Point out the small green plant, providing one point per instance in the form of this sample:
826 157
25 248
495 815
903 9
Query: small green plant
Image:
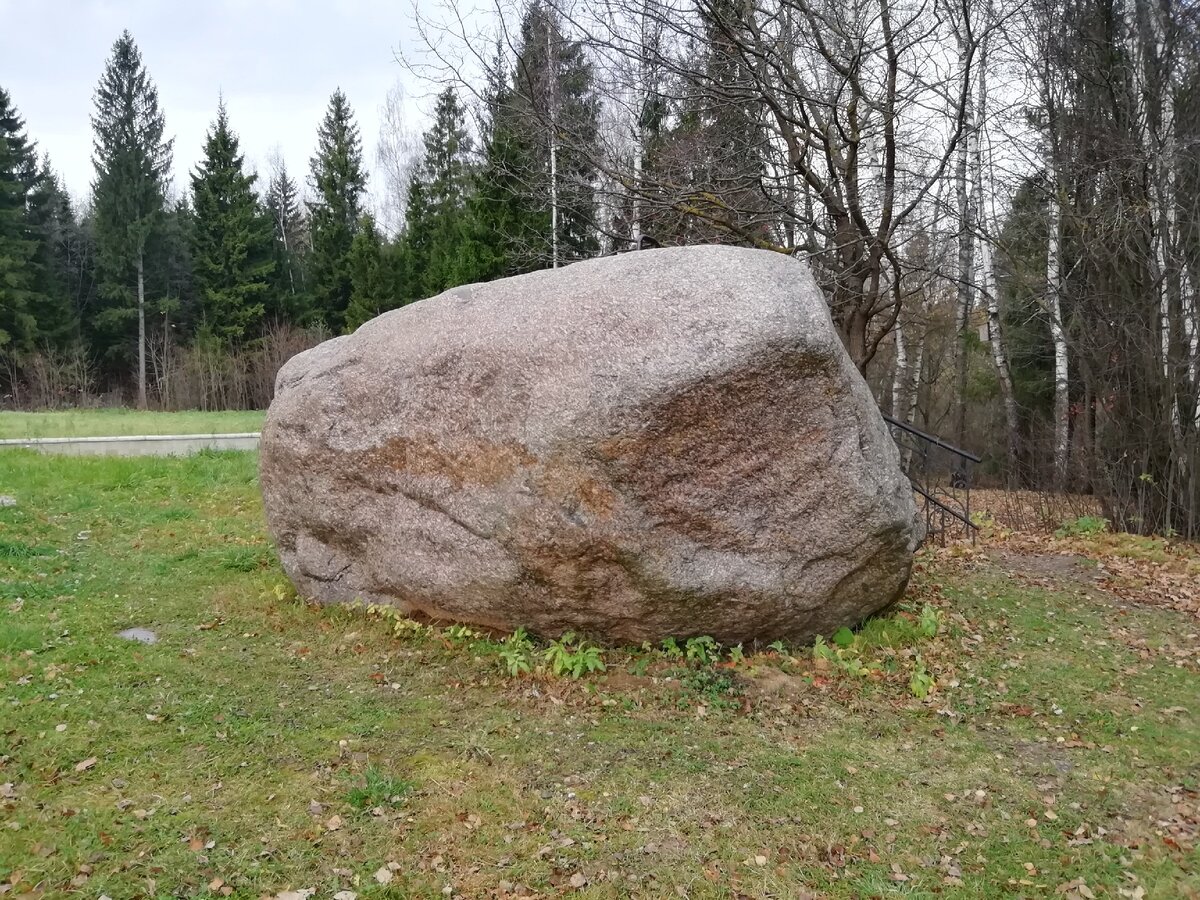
517 653
461 634
401 625
573 657
983 520
921 682
1084 526
640 665
284 592
843 637
847 659
671 648
702 650
736 655
822 650
931 621
377 789
717 688
778 647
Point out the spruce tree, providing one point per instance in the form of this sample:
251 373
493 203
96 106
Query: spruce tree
290 231
555 117
339 180
61 270
18 240
506 215
715 148
132 159
171 273
230 239
435 247
371 276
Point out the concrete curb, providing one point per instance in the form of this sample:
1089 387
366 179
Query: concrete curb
137 445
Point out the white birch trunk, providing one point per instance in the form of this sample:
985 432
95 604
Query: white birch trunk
987 273
966 248
1145 36
900 376
914 390
639 148
550 61
1062 405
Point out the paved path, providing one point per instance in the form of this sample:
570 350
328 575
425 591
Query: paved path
138 444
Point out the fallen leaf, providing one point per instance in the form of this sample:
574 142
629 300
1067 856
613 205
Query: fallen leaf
384 875
334 823
86 764
345 895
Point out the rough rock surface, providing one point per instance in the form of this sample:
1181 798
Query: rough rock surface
668 442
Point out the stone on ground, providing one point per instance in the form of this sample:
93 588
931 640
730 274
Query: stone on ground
668 442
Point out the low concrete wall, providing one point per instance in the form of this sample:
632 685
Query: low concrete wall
138 445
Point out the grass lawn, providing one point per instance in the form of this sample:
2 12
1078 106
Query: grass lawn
105 422
265 746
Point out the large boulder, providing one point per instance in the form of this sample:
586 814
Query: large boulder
668 442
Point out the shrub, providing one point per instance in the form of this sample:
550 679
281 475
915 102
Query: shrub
1084 526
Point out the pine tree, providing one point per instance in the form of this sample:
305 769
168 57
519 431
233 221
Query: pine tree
231 239
374 288
287 297
435 245
132 160
18 241
339 180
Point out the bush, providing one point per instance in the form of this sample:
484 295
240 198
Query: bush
1084 526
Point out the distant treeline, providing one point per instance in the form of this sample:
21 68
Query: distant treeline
1000 199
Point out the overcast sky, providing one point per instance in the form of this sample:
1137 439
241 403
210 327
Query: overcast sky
275 61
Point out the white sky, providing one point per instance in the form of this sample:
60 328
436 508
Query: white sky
275 61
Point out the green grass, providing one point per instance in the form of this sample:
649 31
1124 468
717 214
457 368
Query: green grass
117 421
264 745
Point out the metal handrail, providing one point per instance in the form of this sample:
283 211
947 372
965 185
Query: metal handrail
942 506
933 507
931 438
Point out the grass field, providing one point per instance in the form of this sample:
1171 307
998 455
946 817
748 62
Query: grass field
264 746
106 422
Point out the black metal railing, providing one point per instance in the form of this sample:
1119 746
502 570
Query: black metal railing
940 474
